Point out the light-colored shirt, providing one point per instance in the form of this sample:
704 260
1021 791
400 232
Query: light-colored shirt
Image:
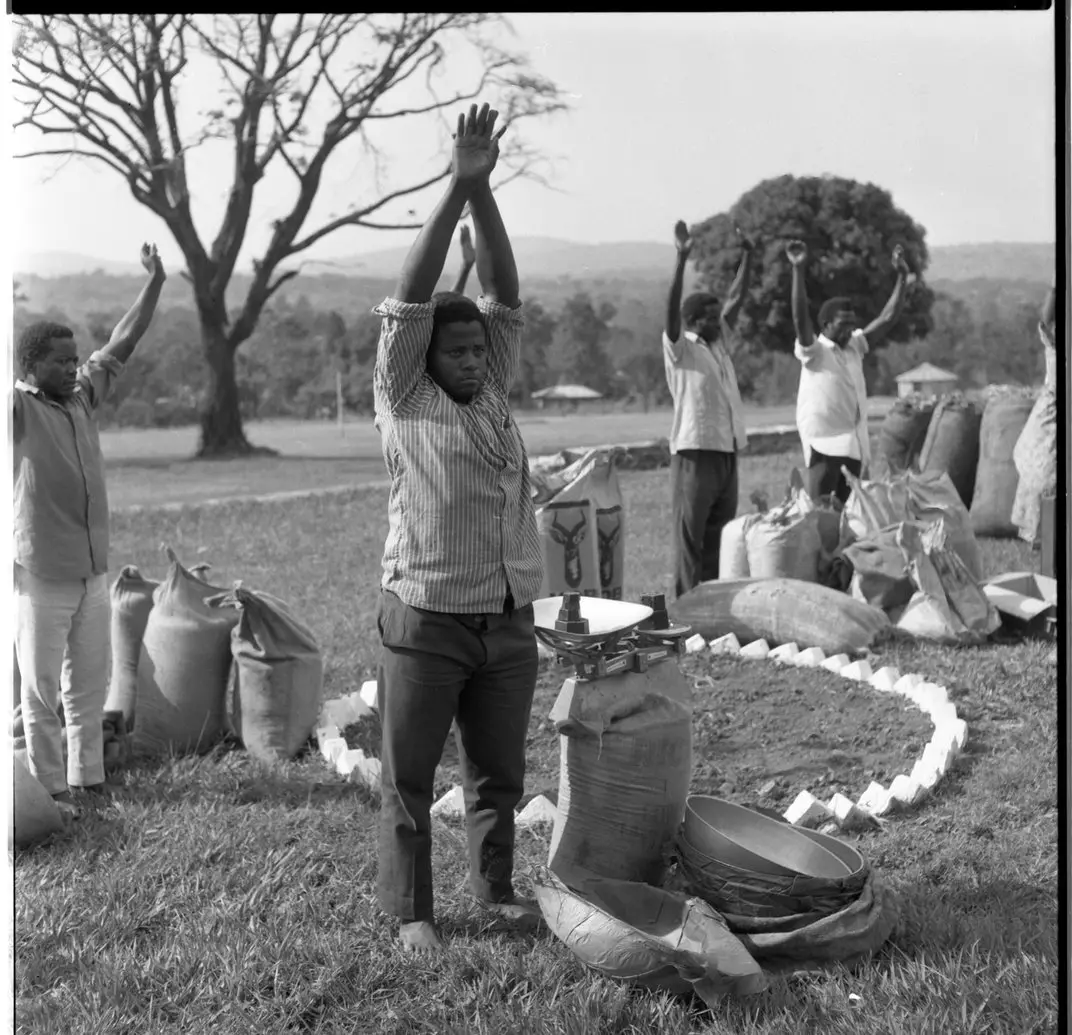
462 526
707 401
60 501
1050 349
832 398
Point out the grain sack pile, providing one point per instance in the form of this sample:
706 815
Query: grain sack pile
195 661
996 480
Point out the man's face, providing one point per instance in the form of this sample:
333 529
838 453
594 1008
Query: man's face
56 374
839 330
458 359
708 325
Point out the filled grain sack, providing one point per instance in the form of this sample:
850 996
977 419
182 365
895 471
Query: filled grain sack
785 542
921 497
582 529
626 764
277 676
132 601
904 431
733 552
184 666
34 815
952 443
1006 412
658 939
781 611
881 573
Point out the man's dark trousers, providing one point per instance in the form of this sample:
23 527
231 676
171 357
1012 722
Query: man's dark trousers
825 475
435 668
703 483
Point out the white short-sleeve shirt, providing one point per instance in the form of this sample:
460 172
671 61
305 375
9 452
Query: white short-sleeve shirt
832 398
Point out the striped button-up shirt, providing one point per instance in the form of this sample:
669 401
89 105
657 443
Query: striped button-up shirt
707 401
462 527
61 506
832 398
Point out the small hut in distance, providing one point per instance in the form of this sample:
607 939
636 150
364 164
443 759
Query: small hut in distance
926 380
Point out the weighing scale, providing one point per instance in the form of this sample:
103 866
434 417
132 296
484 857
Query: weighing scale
603 637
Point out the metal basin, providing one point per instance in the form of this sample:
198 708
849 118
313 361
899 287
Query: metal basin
750 841
853 860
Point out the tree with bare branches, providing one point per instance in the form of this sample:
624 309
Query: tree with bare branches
294 89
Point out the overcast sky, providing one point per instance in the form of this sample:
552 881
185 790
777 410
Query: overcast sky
675 116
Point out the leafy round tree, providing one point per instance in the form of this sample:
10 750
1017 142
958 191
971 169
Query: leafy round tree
850 229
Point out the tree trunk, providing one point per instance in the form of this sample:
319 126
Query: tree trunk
221 419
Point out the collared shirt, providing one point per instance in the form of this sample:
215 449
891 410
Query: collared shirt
832 398
707 401
61 505
462 527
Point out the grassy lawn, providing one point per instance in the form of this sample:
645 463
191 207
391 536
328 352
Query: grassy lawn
154 466
216 894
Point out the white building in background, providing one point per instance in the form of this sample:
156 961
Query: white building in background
926 380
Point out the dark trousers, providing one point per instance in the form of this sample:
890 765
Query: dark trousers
825 475
703 484
479 670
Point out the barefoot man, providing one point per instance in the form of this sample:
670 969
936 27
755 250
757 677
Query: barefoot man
462 560
832 396
61 541
708 425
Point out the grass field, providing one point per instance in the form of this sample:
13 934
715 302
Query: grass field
219 895
154 466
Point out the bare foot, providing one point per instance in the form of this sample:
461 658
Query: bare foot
419 936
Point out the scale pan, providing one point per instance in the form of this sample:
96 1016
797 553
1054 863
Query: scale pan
604 616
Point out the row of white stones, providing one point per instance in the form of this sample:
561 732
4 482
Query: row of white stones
905 790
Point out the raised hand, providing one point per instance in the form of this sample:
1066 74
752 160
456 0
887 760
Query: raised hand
743 239
476 145
900 264
796 252
465 238
151 261
682 238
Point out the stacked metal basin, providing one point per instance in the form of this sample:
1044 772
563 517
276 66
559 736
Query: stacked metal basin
748 864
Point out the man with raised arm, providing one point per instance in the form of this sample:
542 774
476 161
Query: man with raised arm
708 424
61 541
832 396
462 562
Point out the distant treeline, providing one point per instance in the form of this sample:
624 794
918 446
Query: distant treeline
603 333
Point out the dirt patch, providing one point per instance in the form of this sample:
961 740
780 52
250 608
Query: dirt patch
761 733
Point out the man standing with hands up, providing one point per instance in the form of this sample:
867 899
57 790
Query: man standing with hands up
708 424
832 395
462 561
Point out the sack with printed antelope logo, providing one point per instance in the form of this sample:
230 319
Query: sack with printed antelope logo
582 530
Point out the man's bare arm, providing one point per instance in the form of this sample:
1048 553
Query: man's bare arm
132 327
683 242
892 309
495 265
797 253
739 287
468 258
1049 307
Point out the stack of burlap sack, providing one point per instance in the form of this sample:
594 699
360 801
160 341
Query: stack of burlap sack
192 662
903 545
980 443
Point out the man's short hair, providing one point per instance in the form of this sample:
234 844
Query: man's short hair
831 307
35 343
695 304
454 307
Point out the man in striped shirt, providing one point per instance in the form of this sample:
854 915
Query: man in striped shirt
708 426
462 561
